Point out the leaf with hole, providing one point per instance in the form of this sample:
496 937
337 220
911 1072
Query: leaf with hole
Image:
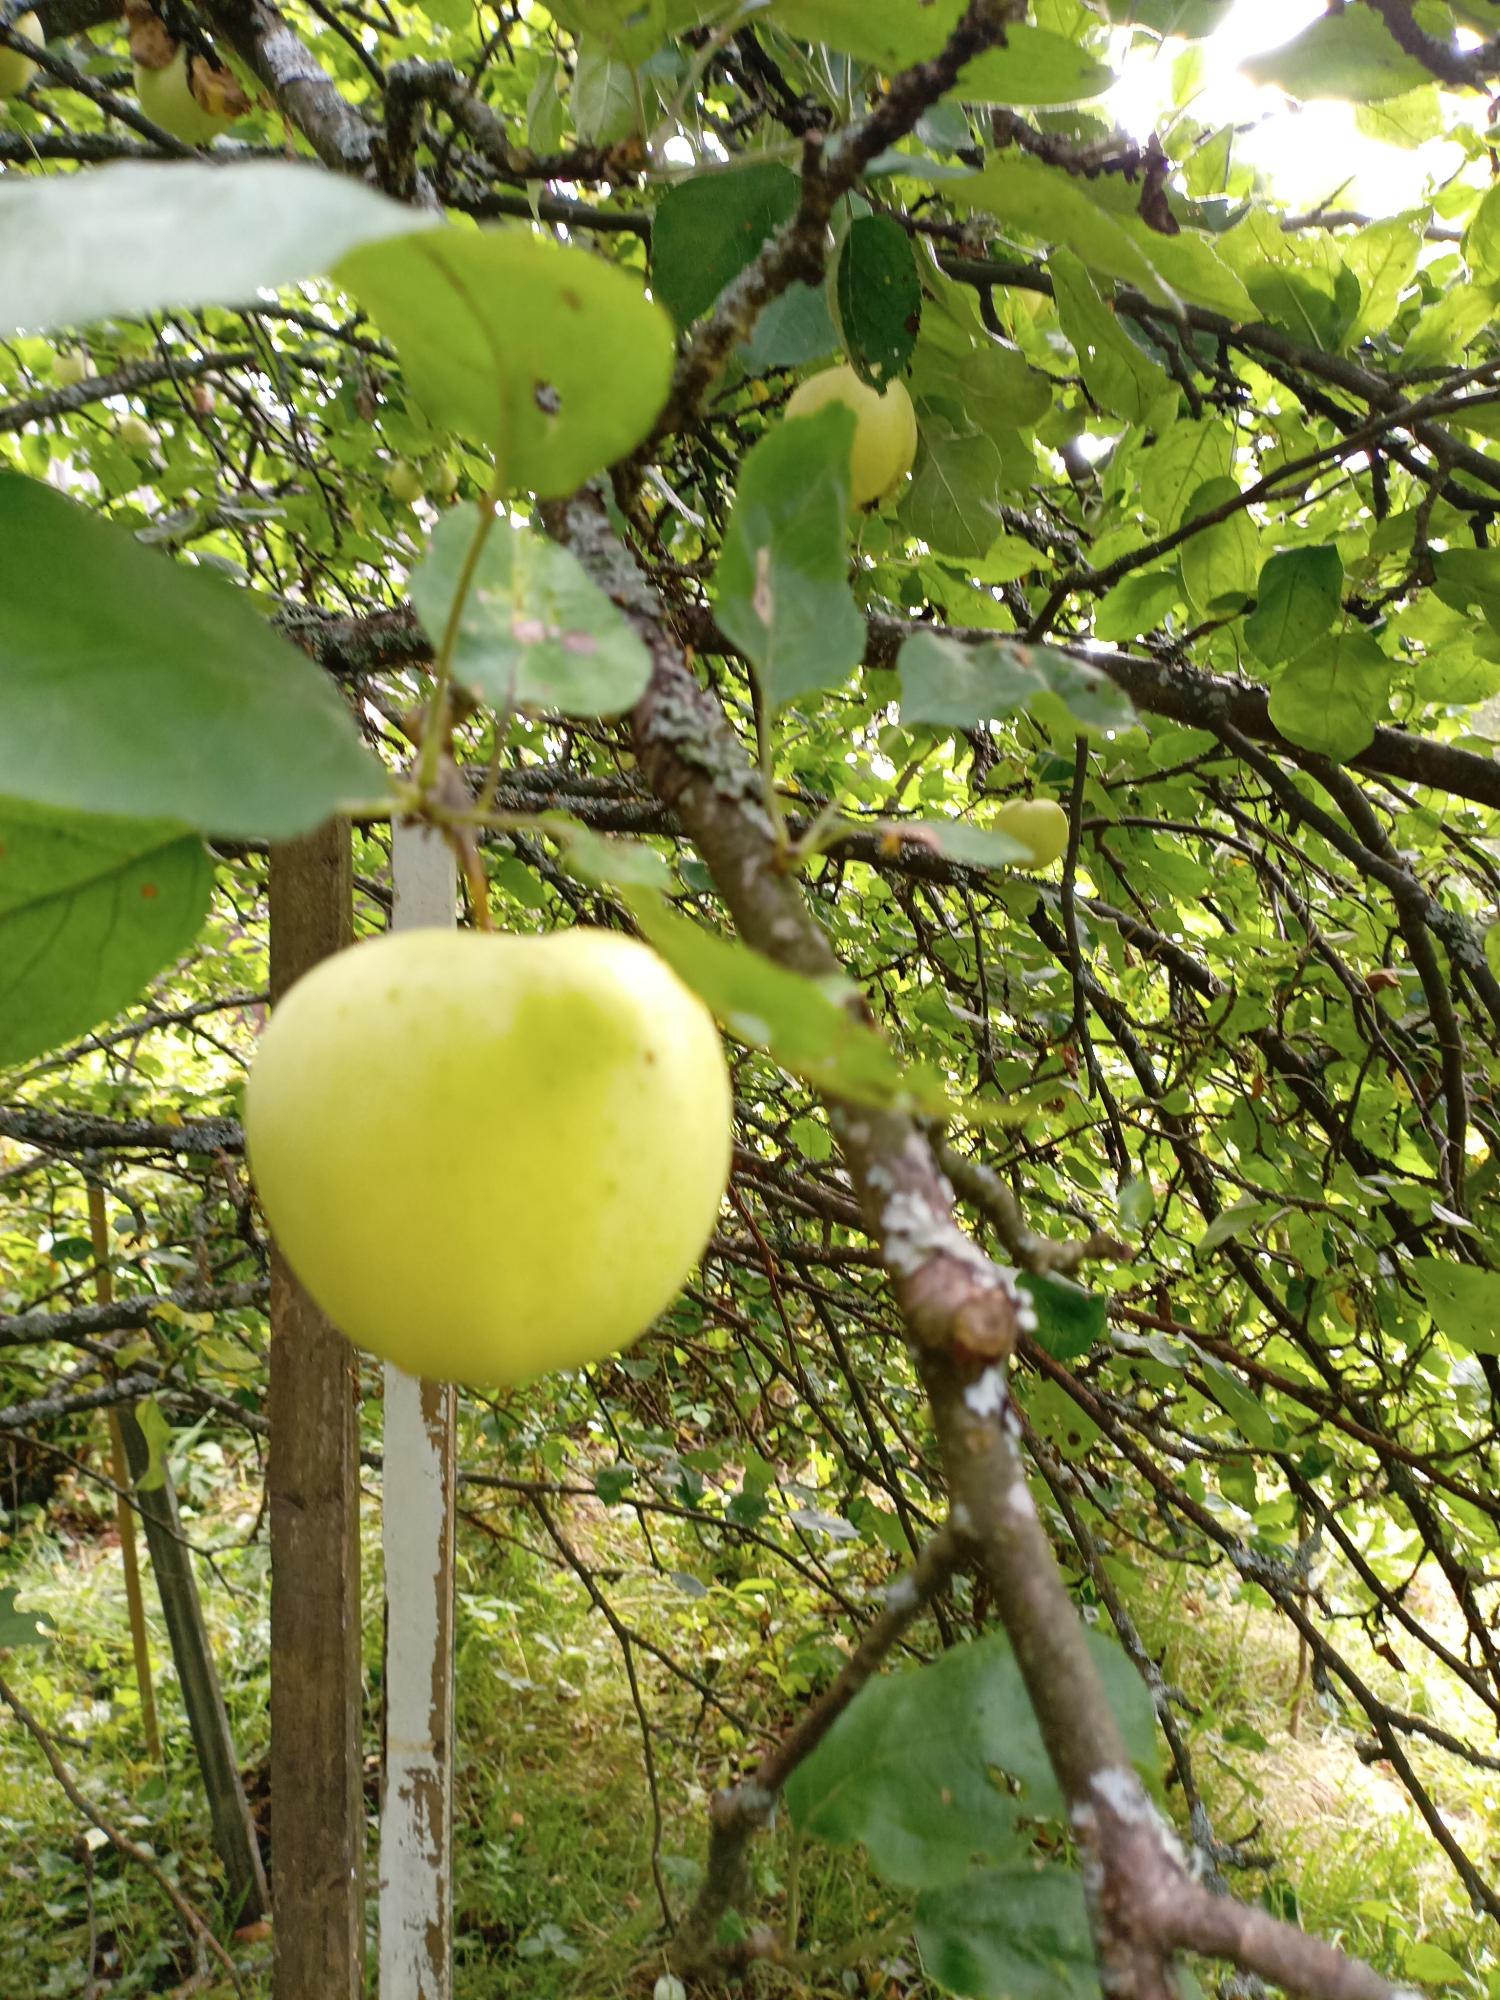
499 337
877 297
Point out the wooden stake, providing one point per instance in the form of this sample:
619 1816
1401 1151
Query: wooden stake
119 1470
416 1818
317 1798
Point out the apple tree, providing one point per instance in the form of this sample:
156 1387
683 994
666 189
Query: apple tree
1002 608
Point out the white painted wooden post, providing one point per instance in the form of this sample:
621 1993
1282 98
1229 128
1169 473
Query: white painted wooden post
416 1819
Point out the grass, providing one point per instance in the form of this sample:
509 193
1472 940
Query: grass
555 1896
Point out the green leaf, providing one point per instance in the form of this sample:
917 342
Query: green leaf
498 334
1298 597
604 99
949 685
1465 577
1035 67
1331 698
807 1025
791 331
134 238
877 297
606 863
706 230
782 587
1230 1223
1219 564
1018 1932
1464 1301
158 1435
18 1627
1137 604
135 685
969 380
90 908
1046 202
953 501
1184 458
536 632
1253 1422
1430 1964
957 840
1069 1320
906 1770
631 29
1349 54
1116 370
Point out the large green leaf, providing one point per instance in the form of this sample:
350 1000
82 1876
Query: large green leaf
1297 600
706 230
877 297
499 337
18 1627
1048 203
134 237
1219 563
1463 1299
135 685
807 1025
90 908
906 1770
1331 698
1116 370
950 685
1019 1932
1183 459
782 588
1345 53
535 631
953 502
1035 67
632 29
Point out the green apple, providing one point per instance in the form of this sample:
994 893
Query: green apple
885 428
488 1156
445 479
71 367
16 71
167 97
1040 825
136 434
404 481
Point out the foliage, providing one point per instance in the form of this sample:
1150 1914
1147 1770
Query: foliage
1196 544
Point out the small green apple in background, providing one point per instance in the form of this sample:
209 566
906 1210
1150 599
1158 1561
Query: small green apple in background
16 71
489 1156
136 434
404 481
70 367
445 479
1040 825
885 428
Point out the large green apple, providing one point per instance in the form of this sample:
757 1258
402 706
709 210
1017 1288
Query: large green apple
489 1156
